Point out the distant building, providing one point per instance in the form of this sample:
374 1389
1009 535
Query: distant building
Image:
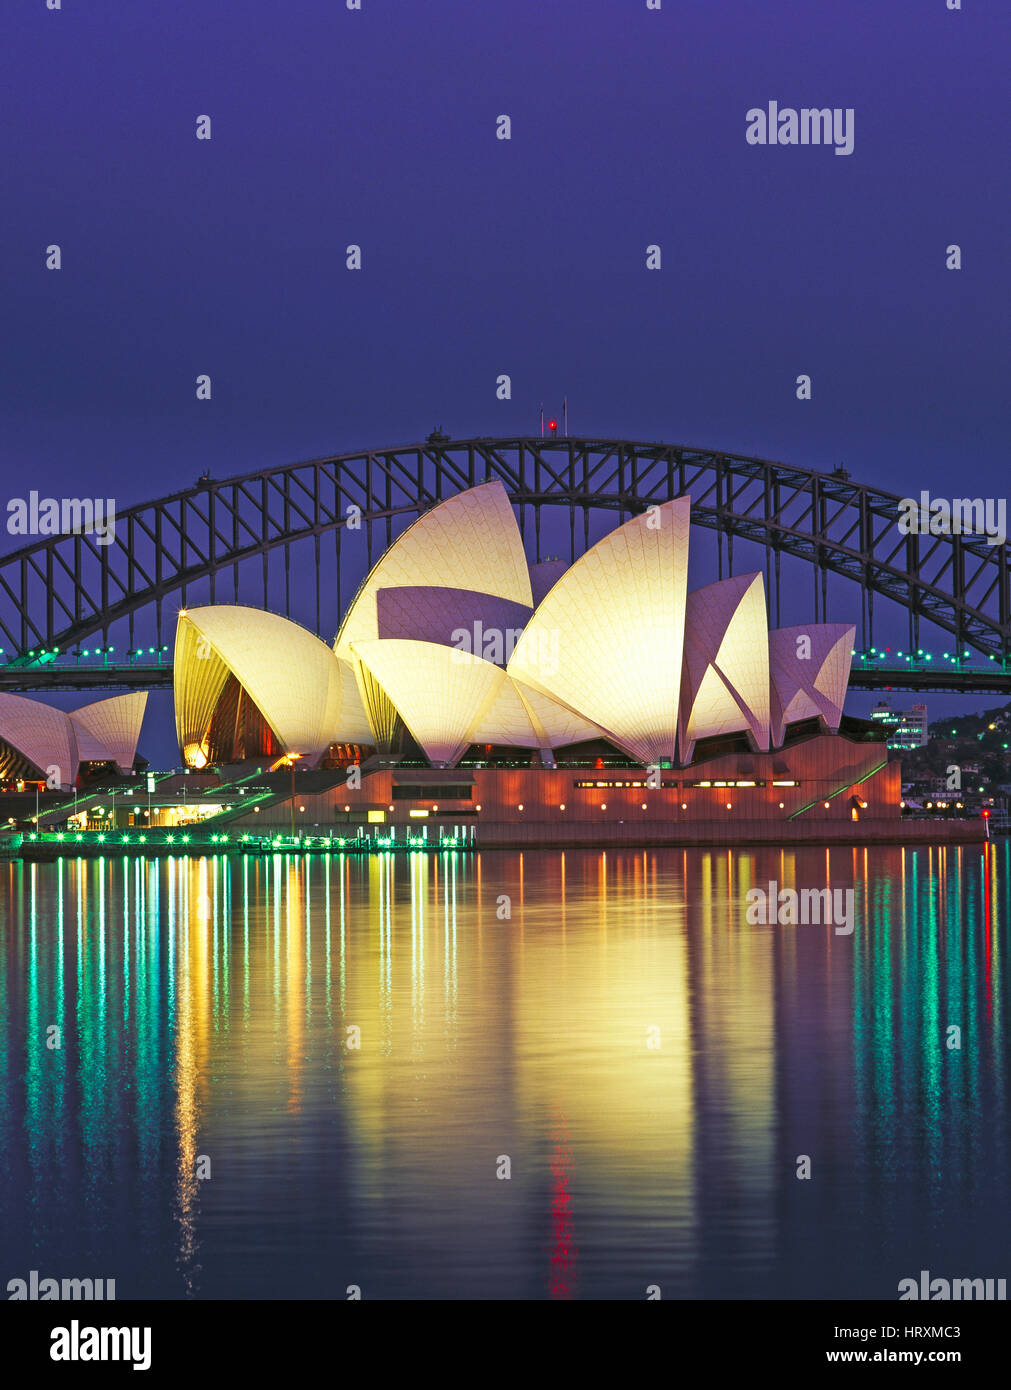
906 728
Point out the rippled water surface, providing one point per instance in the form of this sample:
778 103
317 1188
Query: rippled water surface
648 1066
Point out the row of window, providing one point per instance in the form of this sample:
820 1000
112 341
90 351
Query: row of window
668 783
450 792
425 791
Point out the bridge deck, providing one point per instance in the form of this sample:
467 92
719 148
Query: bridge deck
55 677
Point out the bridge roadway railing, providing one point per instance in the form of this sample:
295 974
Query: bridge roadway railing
957 677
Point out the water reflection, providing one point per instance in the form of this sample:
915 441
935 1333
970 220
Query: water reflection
652 1070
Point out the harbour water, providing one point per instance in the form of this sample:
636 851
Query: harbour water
504 1075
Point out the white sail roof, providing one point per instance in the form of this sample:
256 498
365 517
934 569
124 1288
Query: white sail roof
109 730
44 736
810 670
521 717
440 692
725 687
302 690
469 542
607 639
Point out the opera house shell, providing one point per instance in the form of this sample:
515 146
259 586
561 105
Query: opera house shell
455 646
40 743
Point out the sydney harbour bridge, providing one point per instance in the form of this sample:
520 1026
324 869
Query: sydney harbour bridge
298 539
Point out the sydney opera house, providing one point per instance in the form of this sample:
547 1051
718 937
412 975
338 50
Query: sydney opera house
539 702
53 748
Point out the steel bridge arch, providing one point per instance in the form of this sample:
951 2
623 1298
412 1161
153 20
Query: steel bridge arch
66 588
